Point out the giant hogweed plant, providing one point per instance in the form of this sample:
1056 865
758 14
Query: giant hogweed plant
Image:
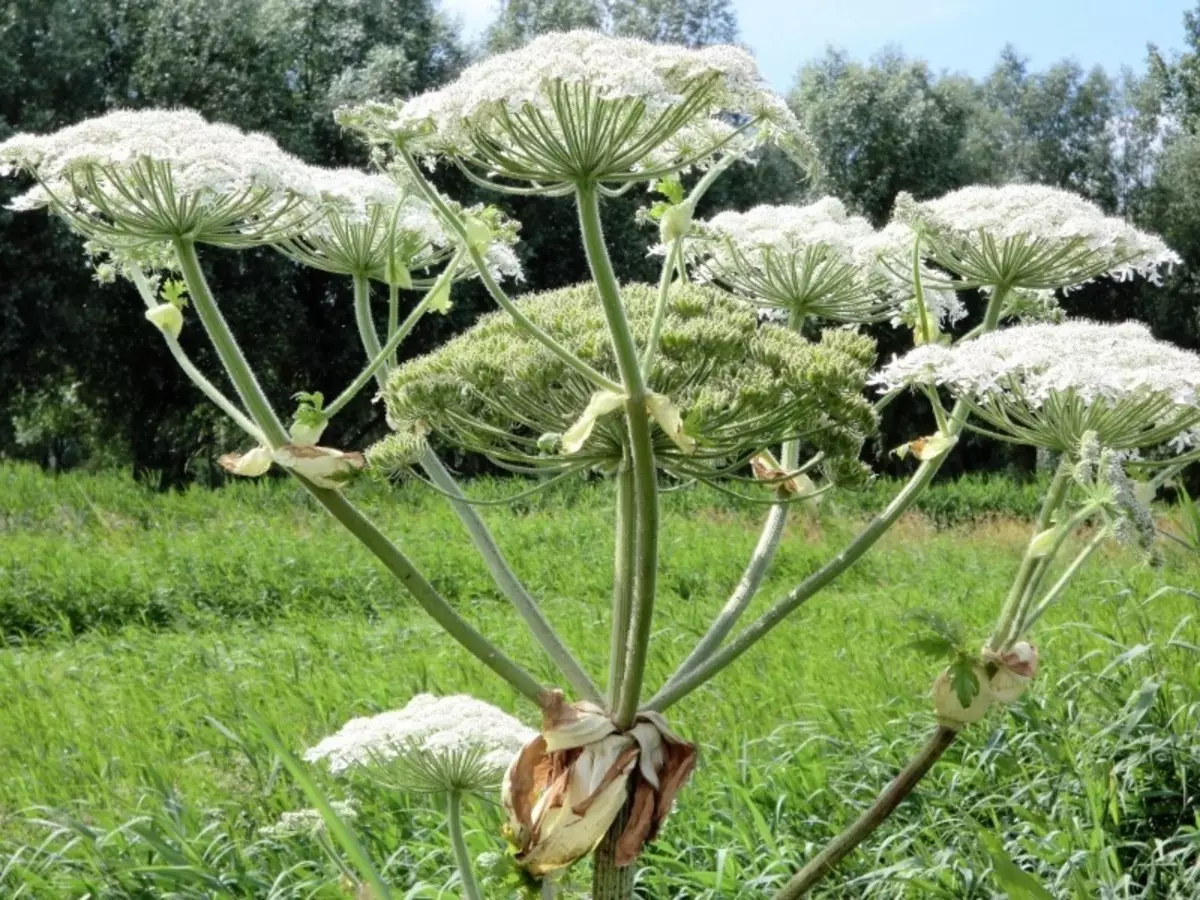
710 375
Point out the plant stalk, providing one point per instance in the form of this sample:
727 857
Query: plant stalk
342 509
247 386
875 529
645 475
462 856
480 535
610 881
508 582
622 603
875 815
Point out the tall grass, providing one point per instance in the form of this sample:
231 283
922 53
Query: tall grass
130 767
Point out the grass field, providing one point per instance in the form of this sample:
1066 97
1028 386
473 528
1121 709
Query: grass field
145 631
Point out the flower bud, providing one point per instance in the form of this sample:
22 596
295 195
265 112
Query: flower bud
1043 543
248 465
949 708
676 222
439 298
308 432
1015 669
479 235
168 317
323 466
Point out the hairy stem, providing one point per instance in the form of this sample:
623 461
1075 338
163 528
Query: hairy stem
197 378
478 531
622 602
424 593
891 797
610 881
1010 613
454 220
462 857
645 475
508 582
247 386
338 506
1061 585
848 556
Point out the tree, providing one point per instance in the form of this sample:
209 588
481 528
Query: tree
886 127
695 23
1052 127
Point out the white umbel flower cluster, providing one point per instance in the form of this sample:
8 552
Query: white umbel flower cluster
1036 236
304 822
435 725
888 256
1048 384
787 230
583 103
805 259
157 174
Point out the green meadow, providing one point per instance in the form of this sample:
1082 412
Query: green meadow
151 637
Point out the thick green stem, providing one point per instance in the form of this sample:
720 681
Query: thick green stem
384 359
480 536
366 326
892 796
341 508
424 593
610 881
247 386
1010 612
622 602
197 378
645 475
670 266
848 556
451 218
466 870
1069 573
507 580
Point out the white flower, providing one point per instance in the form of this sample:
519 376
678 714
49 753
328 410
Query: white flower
806 259
154 175
1049 384
582 104
308 821
441 726
1032 236
888 257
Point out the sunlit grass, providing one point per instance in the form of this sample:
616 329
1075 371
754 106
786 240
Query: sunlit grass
145 629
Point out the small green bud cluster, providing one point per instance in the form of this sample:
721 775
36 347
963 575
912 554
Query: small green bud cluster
739 386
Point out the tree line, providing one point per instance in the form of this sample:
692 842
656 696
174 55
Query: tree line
84 380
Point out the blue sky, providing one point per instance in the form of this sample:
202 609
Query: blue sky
960 35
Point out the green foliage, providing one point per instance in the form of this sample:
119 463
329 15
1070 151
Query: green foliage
132 768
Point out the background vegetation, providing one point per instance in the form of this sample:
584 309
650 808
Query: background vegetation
145 631
82 379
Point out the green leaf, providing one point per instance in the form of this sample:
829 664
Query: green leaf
964 680
1015 881
174 292
671 188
